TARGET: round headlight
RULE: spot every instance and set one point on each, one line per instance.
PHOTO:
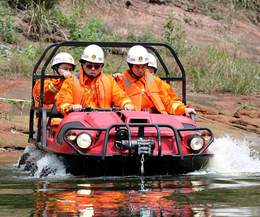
(196, 142)
(71, 135)
(84, 140)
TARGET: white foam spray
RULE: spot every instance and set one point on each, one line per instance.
(231, 156)
(234, 156)
(53, 163)
(45, 160)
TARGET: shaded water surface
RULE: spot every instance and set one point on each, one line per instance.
(229, 186)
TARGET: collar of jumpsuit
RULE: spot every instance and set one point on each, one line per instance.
(146, 100)
(133, 79)
(90, 83)
(90, 95)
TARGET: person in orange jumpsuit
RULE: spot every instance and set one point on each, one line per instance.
(91, 87)
(152, 67)
(63, 64)
(146, 91)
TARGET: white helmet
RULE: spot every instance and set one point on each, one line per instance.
(93, 53)
(152, 61)
(63, 58)
(137, 55)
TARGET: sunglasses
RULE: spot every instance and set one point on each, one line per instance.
(67, 69)
(90, 66)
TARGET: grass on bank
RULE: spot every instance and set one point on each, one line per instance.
(208, 71)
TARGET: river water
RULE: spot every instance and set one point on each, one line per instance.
(229, 186)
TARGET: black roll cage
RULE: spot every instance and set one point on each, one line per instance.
(45, 112)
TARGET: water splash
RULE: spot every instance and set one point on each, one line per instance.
(52, 164)
(234, 156)
(42, 164)
(231, 156)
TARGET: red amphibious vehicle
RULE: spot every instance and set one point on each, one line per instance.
(114, 142)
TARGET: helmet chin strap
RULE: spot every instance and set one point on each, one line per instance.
(133, 74)
(56, 69)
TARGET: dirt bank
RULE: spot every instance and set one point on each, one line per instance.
(201, 30)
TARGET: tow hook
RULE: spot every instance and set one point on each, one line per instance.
(142, 165)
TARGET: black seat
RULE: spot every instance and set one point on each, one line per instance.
(53, 114)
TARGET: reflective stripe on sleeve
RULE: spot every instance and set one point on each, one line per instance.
(174, 106)
(52, 88)
(126, 101)
(63, 107)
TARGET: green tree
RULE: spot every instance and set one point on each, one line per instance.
(173, 33)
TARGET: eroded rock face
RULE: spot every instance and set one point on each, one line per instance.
(249, 112)
(230, 111)
(248, 118)
(14, 132)
(6, 126)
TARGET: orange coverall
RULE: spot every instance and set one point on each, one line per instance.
(153, 93)
(171, 92)
(100, 91)
(51, 88)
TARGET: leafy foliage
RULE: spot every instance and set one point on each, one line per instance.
(93, 30)
(39, 17)
(7, 31)
(174, 33)
(24, 4)
(244, 4)
(233, 9)
(218, 71)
